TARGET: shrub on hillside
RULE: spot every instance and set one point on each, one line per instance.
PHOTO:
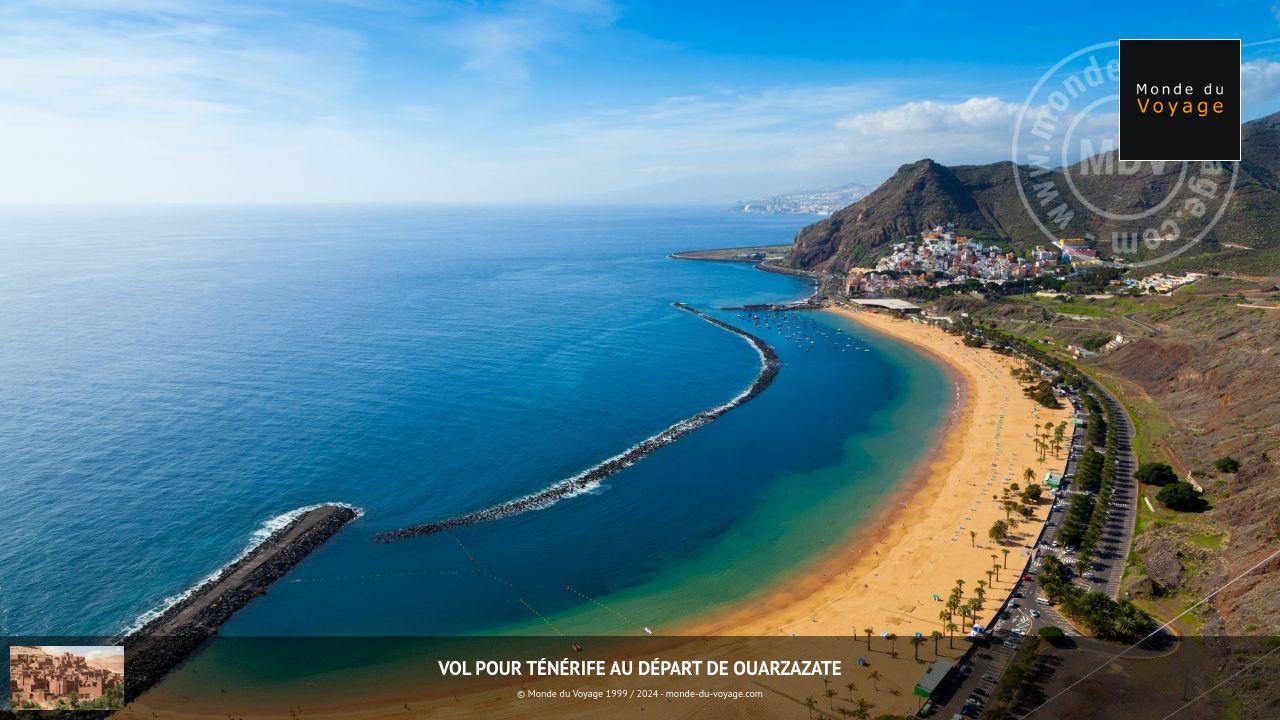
(1156, 474)
(1227, 464)
(1181, 496)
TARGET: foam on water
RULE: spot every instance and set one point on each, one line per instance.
(264, 532)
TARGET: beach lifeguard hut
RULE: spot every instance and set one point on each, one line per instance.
(1053, 480)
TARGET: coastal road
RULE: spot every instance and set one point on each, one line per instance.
(1108, 564)
(1117, 536)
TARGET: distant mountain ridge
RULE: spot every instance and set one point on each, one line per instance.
(984, 199)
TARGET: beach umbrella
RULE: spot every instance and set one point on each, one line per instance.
(918, 634)
(884, 634)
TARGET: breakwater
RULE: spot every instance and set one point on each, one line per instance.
(164, 641)
(590, 478)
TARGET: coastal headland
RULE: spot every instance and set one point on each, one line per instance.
(162, 644)
(747, 254)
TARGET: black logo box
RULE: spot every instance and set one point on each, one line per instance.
(1179, 65)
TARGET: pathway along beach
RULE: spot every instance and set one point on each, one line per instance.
(163, 643)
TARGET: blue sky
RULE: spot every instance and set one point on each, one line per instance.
(130, 101)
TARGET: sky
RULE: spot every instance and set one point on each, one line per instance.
(545, 101)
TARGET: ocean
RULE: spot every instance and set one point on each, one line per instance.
(177, 380)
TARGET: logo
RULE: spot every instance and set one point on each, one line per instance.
(1097, 209)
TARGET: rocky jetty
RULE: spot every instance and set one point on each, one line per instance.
(590, 478)
(164, 642)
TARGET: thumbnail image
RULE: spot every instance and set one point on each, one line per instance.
(89, 677)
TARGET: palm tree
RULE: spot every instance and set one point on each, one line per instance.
(875, 678)
(863, 711)
(999, 531)
(996, 568)
(850, 686)
(831, 697)
(1006, 556)
(868, 631)
(893, 644)
(1029, 474)
(916, 642)
(810, 703)
(936, 637)
(973, 538)
(951, 632)
(989, 574)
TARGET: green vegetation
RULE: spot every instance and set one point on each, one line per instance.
(1156, 473)
(1042, 392)
(1105, 617)
(999, 531)
(1076, 519)
(1054, 635)
(1227, 464)
(1182, 496)
(1089, 472)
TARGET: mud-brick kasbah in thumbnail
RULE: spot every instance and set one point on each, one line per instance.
(42, 680)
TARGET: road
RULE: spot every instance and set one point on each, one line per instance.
(1113, 549)
(1151, 328)
(1023, 615)
(1107, 566)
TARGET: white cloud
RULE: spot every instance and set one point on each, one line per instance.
(977, 114)
(505, 43)
(1259, 81)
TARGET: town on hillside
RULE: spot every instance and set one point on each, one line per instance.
(942, 257)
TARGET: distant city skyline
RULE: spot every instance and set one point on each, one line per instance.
(563, 101)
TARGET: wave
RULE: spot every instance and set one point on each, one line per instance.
(589, 479)
(264, 532)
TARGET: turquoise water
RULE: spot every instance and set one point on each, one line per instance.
(174, 378)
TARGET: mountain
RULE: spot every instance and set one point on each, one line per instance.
(983, 201)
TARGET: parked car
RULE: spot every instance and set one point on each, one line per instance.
(989, 677)
(1035, 613)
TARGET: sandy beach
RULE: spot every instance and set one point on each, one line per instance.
(884, 576)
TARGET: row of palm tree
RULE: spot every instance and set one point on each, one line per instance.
(1050, 438)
